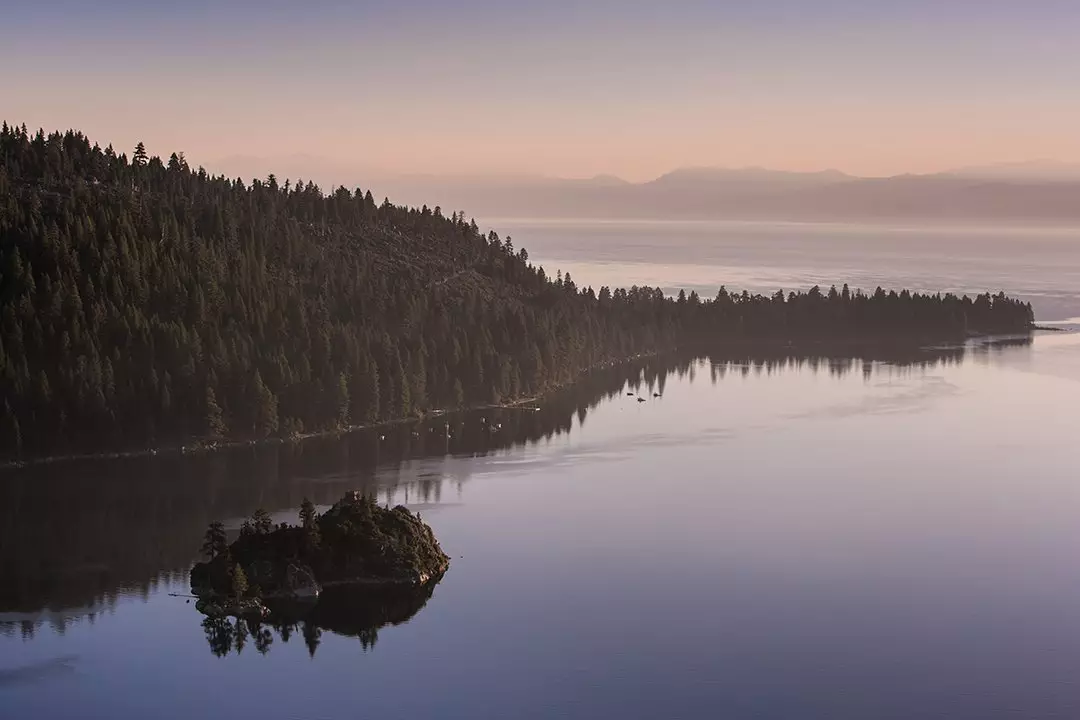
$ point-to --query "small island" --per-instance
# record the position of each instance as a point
(355, 542)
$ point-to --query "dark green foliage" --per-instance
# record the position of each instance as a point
(309, 522)
(358, 540)
(144, 302)
(261, 522)
(239, 582)
(307, 514)
(265, 407)
(847, 315)
(214, 543)
(363, 539)
(213, 424)
(341, 400)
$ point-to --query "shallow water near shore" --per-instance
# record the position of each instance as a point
(763, 537)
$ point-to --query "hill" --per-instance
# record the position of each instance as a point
(145, 302)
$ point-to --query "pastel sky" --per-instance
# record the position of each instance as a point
(559, 87)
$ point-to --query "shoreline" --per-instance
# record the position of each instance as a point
(203, 447)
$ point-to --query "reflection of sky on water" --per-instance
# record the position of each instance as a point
(761, 541)
(1039, 264)
(39, 671)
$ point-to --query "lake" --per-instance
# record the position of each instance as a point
(1039, 264)
(888, 536)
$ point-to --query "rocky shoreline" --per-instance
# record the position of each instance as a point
(355, 543)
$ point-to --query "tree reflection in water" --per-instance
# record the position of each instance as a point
(124, 528)
(358, 611)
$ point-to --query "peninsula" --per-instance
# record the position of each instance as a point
(148, 304)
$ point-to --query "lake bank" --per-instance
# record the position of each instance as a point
(210, 446)
(868, 347)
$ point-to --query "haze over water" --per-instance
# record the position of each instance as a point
(873, 535)
(795, 538)
(1038, 264)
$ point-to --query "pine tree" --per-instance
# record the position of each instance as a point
(261, 522)
(239, 582)
(307, 514)
(341, 400)
(372, 395)
(139, 157)
(213, 423)
(214, 542)
(309, 522)
(404, 406)
(266, 407)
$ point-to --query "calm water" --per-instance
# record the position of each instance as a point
(792, 538)
(1041, 265)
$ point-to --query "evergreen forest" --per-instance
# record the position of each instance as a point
(146, 303)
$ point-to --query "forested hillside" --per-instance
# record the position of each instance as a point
(143, 302)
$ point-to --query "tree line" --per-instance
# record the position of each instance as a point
(145, 302)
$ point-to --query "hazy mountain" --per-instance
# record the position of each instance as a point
(1036, 192)
(746, 178)
(1028, 171)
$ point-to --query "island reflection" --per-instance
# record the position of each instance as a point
(75, 537)
(350, 611)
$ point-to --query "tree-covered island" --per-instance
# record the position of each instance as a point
(356, 541)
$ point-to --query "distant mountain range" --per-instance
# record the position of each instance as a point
(1029, 170)
(1043, 192)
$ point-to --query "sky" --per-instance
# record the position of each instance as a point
(561, 87)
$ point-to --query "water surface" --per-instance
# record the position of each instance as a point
(894, 537)
(1039, 264)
